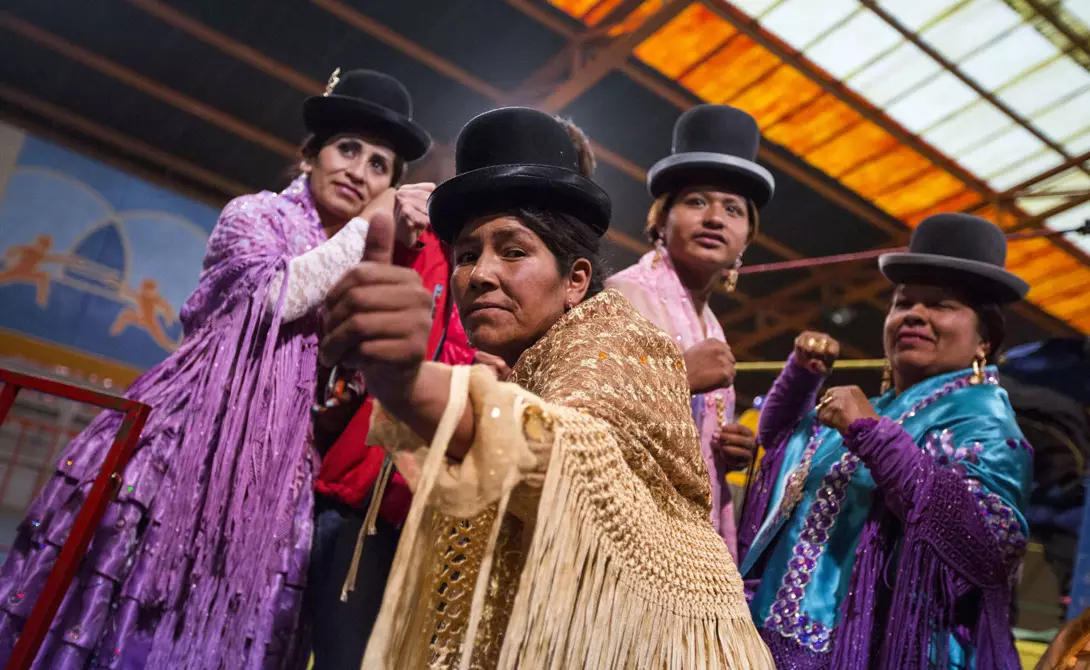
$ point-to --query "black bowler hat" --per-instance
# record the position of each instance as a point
(511, 158)
(714, 145)
(957, 250)
(371, 103)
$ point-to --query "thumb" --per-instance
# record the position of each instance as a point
(379, 246)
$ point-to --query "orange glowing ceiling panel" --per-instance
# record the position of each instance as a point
(739, 64)
(844, 151)
(958, 202)
(1023, 252)
(811, 127)
(886, 173)
(600, 11)
(927, 190)
(576, 8)
(778, 94)
(636, 18)
(687, 39)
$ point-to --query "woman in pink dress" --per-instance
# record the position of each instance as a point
(707, 193)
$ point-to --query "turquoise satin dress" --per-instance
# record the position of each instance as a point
(804, 582)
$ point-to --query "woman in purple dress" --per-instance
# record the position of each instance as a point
(201, 560)
(887, 533)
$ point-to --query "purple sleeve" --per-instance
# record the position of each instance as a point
(951, 545)
(791, 396)
(940, 501)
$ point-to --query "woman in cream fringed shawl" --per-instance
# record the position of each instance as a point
(561, 519)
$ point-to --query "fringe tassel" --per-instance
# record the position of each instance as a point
(570, 592)
(402, 586)
(369, 526)
(856, 632)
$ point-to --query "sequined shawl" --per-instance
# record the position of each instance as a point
(575, 534)
(653, 287)
(200, 560)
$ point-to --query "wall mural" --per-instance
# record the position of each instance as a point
(94, 259)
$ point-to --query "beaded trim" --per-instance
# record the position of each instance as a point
(786, 616)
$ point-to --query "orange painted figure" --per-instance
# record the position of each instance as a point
(147, 305)
(22, 265)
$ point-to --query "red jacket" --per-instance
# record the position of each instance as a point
(350, 467)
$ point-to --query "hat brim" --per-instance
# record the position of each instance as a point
(741, 176)
(984, 281)
(502, 188)
(332, 114)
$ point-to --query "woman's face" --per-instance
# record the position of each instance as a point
(508, 288)
(706, 229)
(930, 331)
(347, 173)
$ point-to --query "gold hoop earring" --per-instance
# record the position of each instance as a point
(887, 377)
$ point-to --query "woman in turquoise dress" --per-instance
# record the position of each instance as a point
(887, 533)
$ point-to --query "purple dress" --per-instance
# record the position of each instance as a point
(200, 562)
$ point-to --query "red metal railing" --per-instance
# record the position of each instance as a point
(104, 488)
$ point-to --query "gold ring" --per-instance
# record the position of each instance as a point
(823, 344)
(825, 399)
(811, 342)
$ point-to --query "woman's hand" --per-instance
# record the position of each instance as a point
(381, 206)
(498, 365)
(709, 365)
(735, 446)
(378, 318)
(410, 211)
(841, 406)
(817, 352)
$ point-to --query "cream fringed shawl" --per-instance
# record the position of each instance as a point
(575, 534)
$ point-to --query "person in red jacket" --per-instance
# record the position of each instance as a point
(342, 610)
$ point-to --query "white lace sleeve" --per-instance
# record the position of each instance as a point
(311, 275)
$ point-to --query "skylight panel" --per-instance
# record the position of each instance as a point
(1078, 8)
(1067, 119)
(1037, 90)
(853, 45)
(970, 27)
(915, 14)
(1024, 169)
(939, 98)
(755, 7)
(903, 69)
(800, 22)
(967, 128)
(1017, 144)
(1012, 54)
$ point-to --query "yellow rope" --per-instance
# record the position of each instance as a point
(774, 366)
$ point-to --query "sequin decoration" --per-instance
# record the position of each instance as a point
(1001, 520)
(940, 445)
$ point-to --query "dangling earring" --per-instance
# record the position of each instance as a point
(978, 376)
(730, 280)
(887, 377)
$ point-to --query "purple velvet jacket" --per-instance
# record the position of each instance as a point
(930, 579)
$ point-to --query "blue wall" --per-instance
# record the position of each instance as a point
(94, 259)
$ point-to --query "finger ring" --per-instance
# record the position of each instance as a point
(823, 345)
(811, 342)
(824, 401)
